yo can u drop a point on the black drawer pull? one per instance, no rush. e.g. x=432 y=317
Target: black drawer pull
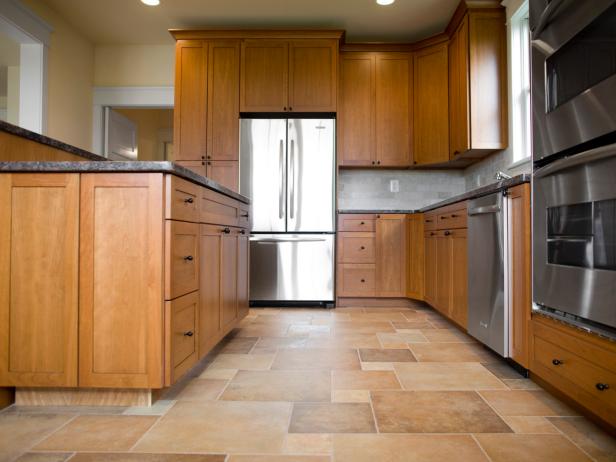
x=432 y=234
x=242 y=231
x=557 y=362
x=362 y=248
x=244 y=215
x=363 y=280
x=443 y=218
x=362 y=223
x=188 y=258
x=602 y=386
x=428 y=221
x=447 y=233
x=453 y=215
x=190 y=333
x=226 y=230
x=189 y=200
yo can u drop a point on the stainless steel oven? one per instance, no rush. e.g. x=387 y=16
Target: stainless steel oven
x=574 y=238
x=573 y=62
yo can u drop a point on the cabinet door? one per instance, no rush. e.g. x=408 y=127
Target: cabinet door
x=224 y=172
x=459 y=277
x=443 y=273
x=223 y=100
x=520 y=271
x=458 y=91
x=189 y=123
x=181 y=347
x=39 y=245
x=431 y=105
x=210 y=327
x=264 y=76
x=356 y=116
x=430 y=276
x=393 y=109
x=121 y=280
x=313 y=75
x=391 y=255
x=197 y=166
x=416 y=256
x=229 y=281
x=243 y=268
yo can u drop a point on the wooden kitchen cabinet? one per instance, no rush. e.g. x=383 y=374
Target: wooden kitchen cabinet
x=210 y=283
x=374 y=117
x=391 y=255
x=431 y=105
x=458 y=310
x=228 y=276
x=224 y=172
x=444 y=265
x=264 y=78
x=430 y=268
x=416 y=256
x=39 y=250
x=181 y=346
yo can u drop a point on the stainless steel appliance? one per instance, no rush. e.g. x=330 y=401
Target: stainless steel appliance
x=573 y=65
x=488 y=307
x=574 y=238
x=287 y=168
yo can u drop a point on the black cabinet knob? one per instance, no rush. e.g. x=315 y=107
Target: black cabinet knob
x=373 y=163
x=602 y=386
x=290 y=108
x=453 y=215
x=284 y=108
x=432 y=234
x=557 y=362
x=362 y=248
x=226 y=230
x=362 y=223
x=203 y=157
x=243 y=231
x=209 y=157
x=447 y=233
x=363 y=280
x=378 y=162
x=190 y=333
x=189 y=200
x=188 y=258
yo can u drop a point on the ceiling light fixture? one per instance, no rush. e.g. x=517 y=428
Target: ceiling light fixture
x=385 y=2
x=151 y=2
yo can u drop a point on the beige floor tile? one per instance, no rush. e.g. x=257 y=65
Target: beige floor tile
x=502 y=370
x=401 y=339
x=316 y=358
x=256 y=362
x=530 y=424
x=365 y=380
x=447 y=336
x=351 y=396
x=220 y=427
x=98 y=433
x=19 y=432
x=412 y=325
x=280 y=385
x=264 y=330
x=378 y=316
x=308 y=443
x=239 y=345
x=381 y=355
x=434 y=412
x=289 y=458
x=441 y=323
x=377 y=366
x=43 y=457
x=301 y=330
x=202 y=390
x=526 y=403
x=132 y=457
x=530 y=448
x=345 y=341
x=447 y=376
x=332 y=418
x=362 y=327
x=270 y=345
x=406 y=448
x=593 y=440
x=521 y=384
x=449 y=352
x=218 y=374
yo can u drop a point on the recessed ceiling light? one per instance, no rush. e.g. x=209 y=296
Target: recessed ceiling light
x=382 y=2
x=151 y=2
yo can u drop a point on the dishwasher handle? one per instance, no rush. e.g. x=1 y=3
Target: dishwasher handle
x=484 y=210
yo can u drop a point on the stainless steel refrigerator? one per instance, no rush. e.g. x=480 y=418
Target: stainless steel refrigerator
x=287 y=169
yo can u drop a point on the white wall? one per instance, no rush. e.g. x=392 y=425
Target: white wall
x=134 y=65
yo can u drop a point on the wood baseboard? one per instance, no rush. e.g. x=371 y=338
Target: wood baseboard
x=84 y=397
x=345 y=302
x=7 y=397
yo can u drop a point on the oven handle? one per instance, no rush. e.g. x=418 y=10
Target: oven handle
x=545 y=17
x=578 y=159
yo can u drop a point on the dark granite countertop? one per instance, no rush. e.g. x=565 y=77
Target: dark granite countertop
x=109 y=166
x=37 y=137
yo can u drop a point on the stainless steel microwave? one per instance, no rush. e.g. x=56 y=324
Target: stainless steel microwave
x=573 y=66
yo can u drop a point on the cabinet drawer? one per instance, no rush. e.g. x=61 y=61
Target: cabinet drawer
x=430 y=221
x=182 y=201
x=452 y=220
x=356 y=280
x=356 y=222
x=217 y=209
x=356 y=248
x=181 y=335
x=182 y=258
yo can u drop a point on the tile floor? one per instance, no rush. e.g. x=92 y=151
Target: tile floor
x=344 y=385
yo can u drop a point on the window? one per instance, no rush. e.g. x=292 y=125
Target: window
x=520 y=83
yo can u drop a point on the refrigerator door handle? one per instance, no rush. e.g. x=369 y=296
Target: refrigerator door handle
x=292 y=175
x=281 y=185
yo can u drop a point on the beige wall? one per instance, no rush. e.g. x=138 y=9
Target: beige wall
x=134 y=65
x=70 y=80
x=153 y=127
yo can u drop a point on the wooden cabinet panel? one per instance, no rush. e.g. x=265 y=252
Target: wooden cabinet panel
x=181 y=336
x=452 y=216
x=223 y=106
x=393 y=109
x=431 y=105
x=356 y=280
x=229 y=281
x=182 y=258
x=442 y=300
x=243 y=273
x=39 y=245
x=416 y=256
x=459 y=277
x=121 y=280
x=356 y=248
x=431 y=262
x=182 y=199
x=225 y=173
x=189 y=123
x=391 y=255
x=520 y=257
x=459 y=141
x=264 y=76
x=312 y=75
x=220 y=210
x=209 y=287
x=356 y=222
x=356 y=109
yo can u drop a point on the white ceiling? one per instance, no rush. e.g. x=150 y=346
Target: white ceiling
x=130 y=22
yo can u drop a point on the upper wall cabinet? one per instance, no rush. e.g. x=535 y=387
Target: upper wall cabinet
x=289 y=75
x=374 y=110
x=478 y=84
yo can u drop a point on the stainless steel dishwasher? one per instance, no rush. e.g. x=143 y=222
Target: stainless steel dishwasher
x=488 y=316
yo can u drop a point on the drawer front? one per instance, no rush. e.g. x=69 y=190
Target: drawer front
x=452 y=220
x=244 y=218
x=356 y=280
x=430 y=221
x=217 y=209
x=356 y=222
x=182 y=201
x=356 y=248
x=181 y=335
x=182 y=258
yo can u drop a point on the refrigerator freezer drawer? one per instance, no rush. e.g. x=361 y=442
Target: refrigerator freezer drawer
x=292 y=267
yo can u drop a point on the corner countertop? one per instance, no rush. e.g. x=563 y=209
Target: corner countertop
x=110 y=166
x=474 y=193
